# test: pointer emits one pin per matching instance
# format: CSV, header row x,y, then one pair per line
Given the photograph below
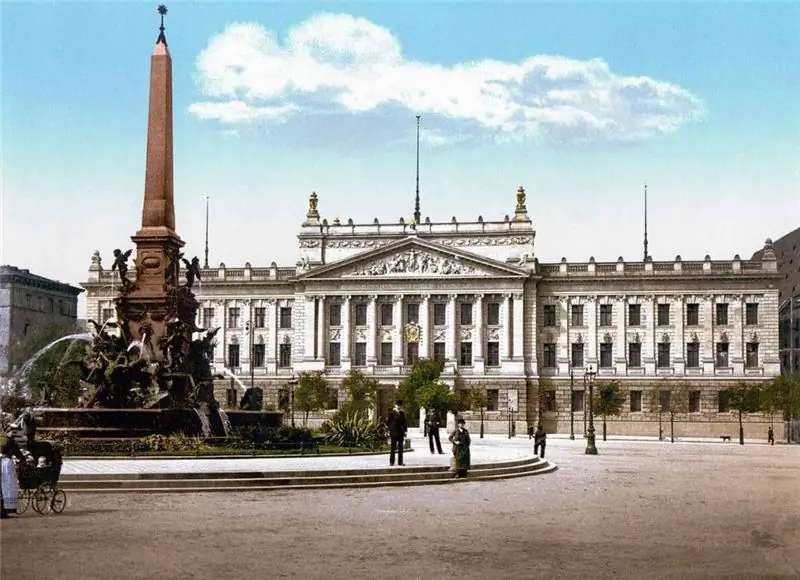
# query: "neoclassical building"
x,y
375,297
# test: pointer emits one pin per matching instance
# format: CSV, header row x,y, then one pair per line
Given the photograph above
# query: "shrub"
x,y
346,428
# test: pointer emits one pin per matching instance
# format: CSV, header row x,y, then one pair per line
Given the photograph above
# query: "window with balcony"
x,y
751,355
260,317
722,355
692,355
465,360
438,350
439,314
663,355
334,354
285,355
634,314
259,352
549,355
466,314
412,352
606,314
722,314
234,317
692,315
751,314
334,314
386,354
577,315
360,354
233,356
663,314
635,355
493,354
606,355
361,314
387,314
285,317
635,401
549,315
412,313
694,401
577,355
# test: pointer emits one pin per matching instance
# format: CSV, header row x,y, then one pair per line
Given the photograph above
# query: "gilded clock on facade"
x,y
412,333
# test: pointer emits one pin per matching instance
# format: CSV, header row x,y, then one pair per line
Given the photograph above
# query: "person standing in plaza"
x,y
461,441
539,441
396,422
770,436
432,425
9,484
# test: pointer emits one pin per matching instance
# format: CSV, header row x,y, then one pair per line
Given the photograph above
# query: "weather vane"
x,y
162,9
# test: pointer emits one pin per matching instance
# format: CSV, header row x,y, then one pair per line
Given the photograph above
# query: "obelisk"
x,y
157,244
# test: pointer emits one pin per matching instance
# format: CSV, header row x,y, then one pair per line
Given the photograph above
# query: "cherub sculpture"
x,y
121,264
192,271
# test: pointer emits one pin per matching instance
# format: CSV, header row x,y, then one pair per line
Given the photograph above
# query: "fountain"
x,y
143,372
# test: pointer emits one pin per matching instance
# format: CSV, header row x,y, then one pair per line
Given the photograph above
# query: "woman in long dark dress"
x,y
461,441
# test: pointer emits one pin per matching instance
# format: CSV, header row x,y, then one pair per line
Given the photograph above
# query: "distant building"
x,y
32,306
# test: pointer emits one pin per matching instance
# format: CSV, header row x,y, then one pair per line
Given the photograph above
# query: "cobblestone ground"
x,y
638,510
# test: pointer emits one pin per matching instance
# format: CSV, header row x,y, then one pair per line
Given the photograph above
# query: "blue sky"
x,y
580,103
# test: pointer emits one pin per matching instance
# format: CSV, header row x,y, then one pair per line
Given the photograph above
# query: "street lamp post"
x,y
591,449
585,414
292,384
250,328
571,404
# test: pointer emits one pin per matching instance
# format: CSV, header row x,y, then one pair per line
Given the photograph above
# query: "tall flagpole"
x,y
205,263
417,215
646,255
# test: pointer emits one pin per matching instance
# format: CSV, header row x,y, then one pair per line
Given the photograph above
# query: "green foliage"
x,y
424,372
438,397
608,400
361,392
312,394
478,399
745,397
354,428
782,394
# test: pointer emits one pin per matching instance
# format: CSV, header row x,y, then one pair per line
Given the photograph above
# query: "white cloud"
x,y
336,64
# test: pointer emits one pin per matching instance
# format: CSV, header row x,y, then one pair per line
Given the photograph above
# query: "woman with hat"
x,y
461,441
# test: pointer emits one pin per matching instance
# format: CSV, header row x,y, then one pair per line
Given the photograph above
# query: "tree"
x,y
312,394
361,392
424,372
677,404
608,401
783,394
745,398
479,400
439,398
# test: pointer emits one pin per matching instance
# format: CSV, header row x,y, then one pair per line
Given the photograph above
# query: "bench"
x,y
725,438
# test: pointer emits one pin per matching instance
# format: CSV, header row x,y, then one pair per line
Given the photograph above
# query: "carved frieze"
x,y
361,335
414,262
494,334
334,334
286,338
386,335
309,243
484,241
358,244
466,334
439,335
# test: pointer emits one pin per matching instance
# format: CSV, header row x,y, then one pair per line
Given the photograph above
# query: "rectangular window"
x,y
106,315
692,314
259,350
751,314
208,317
663,314
233,356
577,401
493,354
233,317
412,352
724,402
636,401
663,355
635,355
387,314
492,399
751,358
493,314
286,317
285,355
722,355
692,355
412,312
439,314
606,352
466,354
438,350
386,354
664,400
722,314
466,314
549,355
334,354
577,355
549,401
549,315
361,314
577,315
360,358
260,317
335,315
694,401
333,401
606,314
634,314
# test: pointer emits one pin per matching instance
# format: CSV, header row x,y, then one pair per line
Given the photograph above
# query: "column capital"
x,y
518,296
373,297
310,298
479,295
346,298
452,297
425,296
508,296
398,297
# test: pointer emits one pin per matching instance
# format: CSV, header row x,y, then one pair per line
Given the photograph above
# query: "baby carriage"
x,y
38,481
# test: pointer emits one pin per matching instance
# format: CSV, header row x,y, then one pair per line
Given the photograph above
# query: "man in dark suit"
x,y
396,422
432,424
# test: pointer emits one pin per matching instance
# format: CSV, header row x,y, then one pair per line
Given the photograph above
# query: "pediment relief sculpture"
x,y
386,335
694,337
361,335
466,334
724,337
414,262
439,335
335,334
494,334
287,338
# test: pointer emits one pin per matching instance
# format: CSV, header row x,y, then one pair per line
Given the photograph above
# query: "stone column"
x,y
505,353
737,340
272,332
397,349
372,331
308,339
451,336
478,341
321,329
425,327
621,346
591,315
222,354
708,347
649,348
344,339
519,328
679,350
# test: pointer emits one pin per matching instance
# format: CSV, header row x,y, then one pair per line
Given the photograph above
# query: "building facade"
x,y
376,297
31,308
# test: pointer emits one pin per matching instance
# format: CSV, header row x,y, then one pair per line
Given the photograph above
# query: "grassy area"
x,y
228,452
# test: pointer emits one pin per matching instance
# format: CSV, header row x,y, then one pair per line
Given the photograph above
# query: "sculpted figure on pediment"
x,y
414,262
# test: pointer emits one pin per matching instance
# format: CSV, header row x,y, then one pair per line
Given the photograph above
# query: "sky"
x,y
581,103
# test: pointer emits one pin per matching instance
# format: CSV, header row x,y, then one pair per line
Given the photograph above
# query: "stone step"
x,y
363,479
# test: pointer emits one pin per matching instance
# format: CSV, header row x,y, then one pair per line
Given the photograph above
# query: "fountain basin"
x,y
134,423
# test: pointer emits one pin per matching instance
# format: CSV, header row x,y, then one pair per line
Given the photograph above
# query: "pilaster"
x,y
478,362
506,353
621,342
272,332
309,312
451,336
679,364
372,331
519,327
345,339
591,314
425,327
398,355
322,328
649,342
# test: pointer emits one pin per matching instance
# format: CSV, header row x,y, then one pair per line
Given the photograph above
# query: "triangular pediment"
x,y
414,258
